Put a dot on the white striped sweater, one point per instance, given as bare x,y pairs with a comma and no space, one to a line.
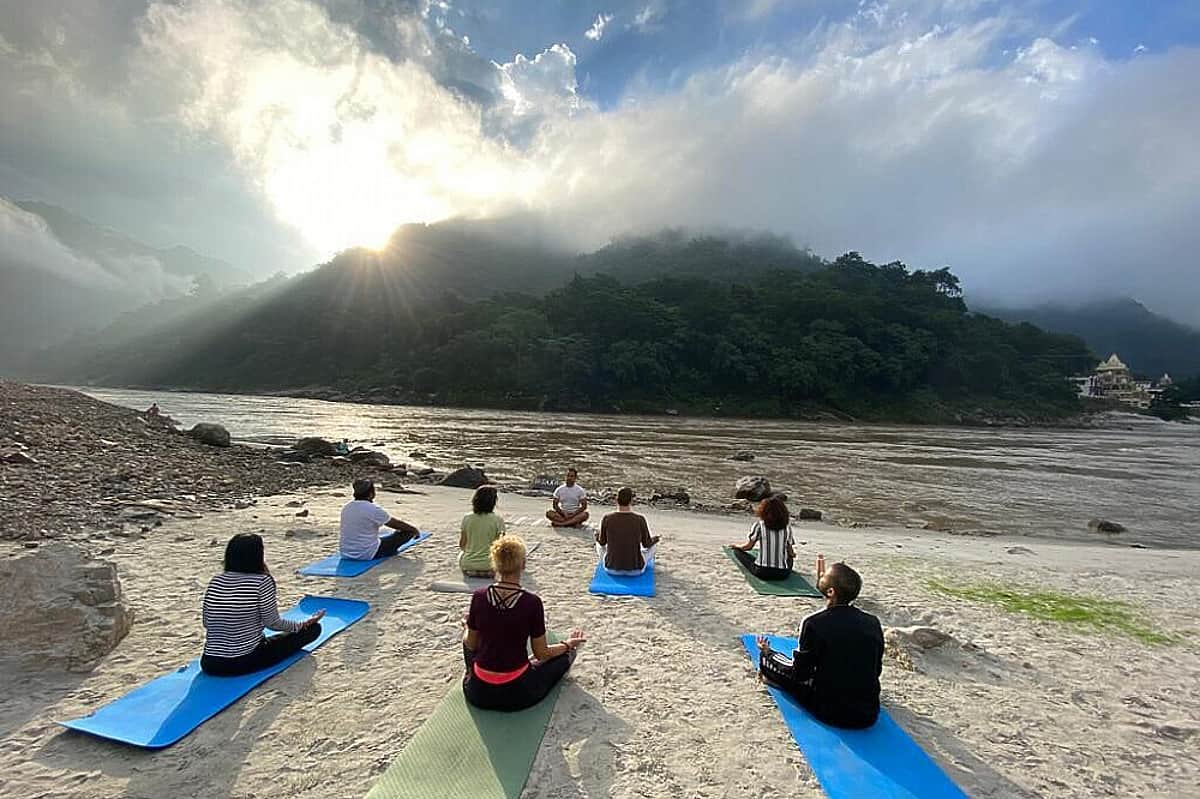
237,606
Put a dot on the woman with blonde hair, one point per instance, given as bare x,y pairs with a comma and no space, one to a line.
773,535
503,621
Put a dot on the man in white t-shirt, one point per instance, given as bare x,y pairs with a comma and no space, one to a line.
570,503
361,520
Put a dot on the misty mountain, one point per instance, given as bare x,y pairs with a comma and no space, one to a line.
61,274
1150,343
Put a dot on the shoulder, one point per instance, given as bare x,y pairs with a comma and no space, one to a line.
535,601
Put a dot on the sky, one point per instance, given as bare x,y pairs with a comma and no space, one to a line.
1041,149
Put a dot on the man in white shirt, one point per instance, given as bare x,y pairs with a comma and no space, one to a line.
361,520
570,503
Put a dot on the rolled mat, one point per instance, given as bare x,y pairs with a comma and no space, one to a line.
166,709
794,585
621,585
881,761
337,566
462,752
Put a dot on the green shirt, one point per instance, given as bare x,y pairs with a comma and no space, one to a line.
479,530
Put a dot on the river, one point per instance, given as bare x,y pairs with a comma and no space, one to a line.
1140,472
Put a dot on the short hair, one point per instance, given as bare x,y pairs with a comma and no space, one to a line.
846,582
244,553
507,554
484,499
363,488
773,512
572,470
625,496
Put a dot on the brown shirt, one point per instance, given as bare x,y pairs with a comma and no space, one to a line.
625,533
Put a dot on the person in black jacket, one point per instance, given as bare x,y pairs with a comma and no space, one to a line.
834,672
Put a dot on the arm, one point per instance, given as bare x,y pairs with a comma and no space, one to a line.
462,536
268,610
807,653
647,540
791,545
583,502
602,536
470,639
751,540
403,527
543,651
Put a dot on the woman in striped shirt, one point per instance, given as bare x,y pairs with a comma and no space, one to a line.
238,604
776,547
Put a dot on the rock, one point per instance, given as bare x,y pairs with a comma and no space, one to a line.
809,515
241,504
294,503
293,456
1105,526
421,456
214,435
679,496
424,472
368,458
314,446
743,456
1019,551
752,488
302,514
60,608
920,638
466,477
18,458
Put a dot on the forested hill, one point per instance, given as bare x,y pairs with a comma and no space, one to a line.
1149,343
875,342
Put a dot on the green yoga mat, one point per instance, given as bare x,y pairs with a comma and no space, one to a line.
794,585
462,752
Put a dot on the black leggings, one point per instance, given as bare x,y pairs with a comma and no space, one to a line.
761,572
268,653
390,543
523,692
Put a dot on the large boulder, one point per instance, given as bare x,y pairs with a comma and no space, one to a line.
466,477
316,447
753,488
60,608
679,496
369,458
1105,526
214,435
808,515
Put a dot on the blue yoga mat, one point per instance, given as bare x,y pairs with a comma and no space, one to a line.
164,710
617,585
882,761
337,566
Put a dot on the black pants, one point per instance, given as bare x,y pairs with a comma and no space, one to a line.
761,572
390,543
778,670
268,653
523,692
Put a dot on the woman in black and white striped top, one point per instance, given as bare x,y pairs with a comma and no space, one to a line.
238,604
773,535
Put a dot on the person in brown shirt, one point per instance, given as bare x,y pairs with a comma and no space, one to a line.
624,543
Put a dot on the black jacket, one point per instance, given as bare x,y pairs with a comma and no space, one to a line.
841,651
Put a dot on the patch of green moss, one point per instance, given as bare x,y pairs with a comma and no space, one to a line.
1103,615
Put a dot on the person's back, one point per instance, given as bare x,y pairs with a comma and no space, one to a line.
479,530
360,523
844,646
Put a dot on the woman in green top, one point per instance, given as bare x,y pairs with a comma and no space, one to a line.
479,529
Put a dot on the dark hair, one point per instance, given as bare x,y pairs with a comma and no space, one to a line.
363,488
244,553
845,582
484,499
625,496
773,512
572,469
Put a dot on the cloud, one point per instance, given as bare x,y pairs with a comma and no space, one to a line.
650,17
596,32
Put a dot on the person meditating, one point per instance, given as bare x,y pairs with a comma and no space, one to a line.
361,520
834,672
773,535
624,544
569,503
480,528
238,604
503,620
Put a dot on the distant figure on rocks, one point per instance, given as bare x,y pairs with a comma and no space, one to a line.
773,535
569,503
480,528
361,520
342,447
238,604
624,544
834,672
504,624
153,412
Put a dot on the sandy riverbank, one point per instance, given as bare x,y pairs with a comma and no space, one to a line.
661,702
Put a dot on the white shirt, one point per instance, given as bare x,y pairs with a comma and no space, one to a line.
569,497
361,521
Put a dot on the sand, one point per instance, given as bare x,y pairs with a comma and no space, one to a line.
661,702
